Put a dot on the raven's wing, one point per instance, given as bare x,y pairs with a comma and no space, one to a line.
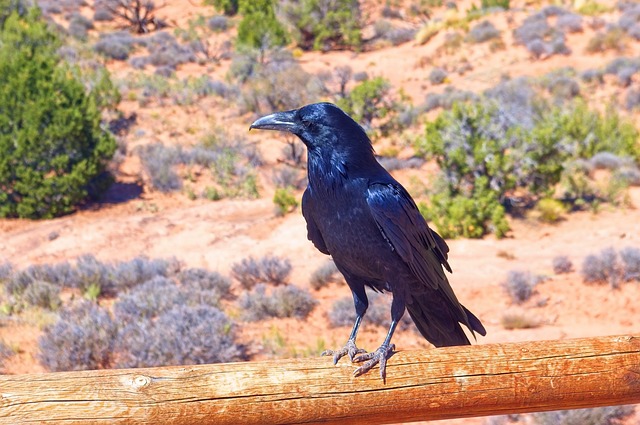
313,233
402,225
425,252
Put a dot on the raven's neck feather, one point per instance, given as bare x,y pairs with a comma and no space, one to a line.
325,173
329,168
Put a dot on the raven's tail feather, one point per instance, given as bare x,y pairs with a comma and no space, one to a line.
440,323
474,323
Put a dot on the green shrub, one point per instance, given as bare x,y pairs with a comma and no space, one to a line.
611,39
588,132
370,101
550,210
284,200
513,141
228,7
576,184
469,215
324,24
51,142
593,8
464,204
487,4
259,27
462,147
8,7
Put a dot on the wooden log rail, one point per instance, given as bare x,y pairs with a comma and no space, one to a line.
432,384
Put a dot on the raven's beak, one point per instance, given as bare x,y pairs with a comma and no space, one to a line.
282,121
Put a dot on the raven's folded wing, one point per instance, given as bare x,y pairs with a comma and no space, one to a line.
313,233
424,251
407,232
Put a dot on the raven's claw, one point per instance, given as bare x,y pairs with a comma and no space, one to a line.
371,359
349,349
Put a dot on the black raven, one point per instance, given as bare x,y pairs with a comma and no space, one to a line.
361,216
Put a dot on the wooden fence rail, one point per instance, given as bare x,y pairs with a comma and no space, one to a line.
432,384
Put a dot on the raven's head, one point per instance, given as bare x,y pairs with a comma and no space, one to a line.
319,125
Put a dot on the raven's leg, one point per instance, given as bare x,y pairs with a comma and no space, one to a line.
361,303
381,355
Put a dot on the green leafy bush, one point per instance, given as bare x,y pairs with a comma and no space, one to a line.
371,104
465,204
228,7
590,132
324,24
51,144
284,200
469,215
8,7
487,4
550,210
259,27
611,39
511,148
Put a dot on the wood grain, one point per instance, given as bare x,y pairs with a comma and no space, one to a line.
432,384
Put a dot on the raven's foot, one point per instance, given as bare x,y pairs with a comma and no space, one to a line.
349,349
379,356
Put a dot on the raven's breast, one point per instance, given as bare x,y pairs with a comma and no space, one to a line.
352,236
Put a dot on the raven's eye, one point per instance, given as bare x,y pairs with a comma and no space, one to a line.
306,123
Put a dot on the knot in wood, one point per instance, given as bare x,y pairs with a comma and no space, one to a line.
632,378
140,381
